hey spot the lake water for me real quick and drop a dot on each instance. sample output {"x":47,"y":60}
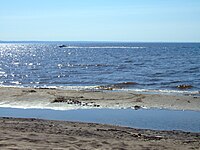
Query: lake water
{"x":143,"y":67}
{"x":159,"y":119}
{"x":150,"y":67}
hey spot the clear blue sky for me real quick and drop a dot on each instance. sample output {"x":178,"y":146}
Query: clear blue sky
{"x":101,"y":20}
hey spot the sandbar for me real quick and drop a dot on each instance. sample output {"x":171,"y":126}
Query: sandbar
{"x":60,"y":99}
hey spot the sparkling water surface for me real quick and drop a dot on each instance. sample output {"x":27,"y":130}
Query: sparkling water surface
{"x":151,"y":66}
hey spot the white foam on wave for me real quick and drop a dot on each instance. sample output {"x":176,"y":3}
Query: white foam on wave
{"x":15,"y":82}
{"x":51,"y":87}
{"x":78,"y":87}
{"x":165,"y":91}
{"x":68,"y":87}
{"x":151,"y":91}
{"x":11,"y":86}
{"x":2,"y":72}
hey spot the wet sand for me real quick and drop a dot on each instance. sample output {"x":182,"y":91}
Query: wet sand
{"x":46,"y":134}
{"x":74,"y":99}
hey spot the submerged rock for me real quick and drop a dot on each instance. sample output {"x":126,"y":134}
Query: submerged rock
{"x":184,"y":86}
{"x":117,"y":86}
{"x":136,"y":107}
{"x":104,"y":88}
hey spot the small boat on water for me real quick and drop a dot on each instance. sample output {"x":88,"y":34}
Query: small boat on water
{"x":61,"y":46}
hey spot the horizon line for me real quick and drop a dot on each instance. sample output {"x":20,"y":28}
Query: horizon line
{"x":108,"y":41}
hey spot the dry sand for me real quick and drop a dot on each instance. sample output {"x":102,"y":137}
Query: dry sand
{"x":46,"y":134}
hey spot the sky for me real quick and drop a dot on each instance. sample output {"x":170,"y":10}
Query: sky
{"x":100,"y":20}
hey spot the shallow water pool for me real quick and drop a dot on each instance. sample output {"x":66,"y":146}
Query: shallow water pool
{"x":158,"y":119}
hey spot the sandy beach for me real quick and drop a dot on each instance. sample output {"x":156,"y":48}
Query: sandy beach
{"x":99,"y":75}
{"x":16,"y":133}
{"x":76,"y":99}
{"x":46,"y":134}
